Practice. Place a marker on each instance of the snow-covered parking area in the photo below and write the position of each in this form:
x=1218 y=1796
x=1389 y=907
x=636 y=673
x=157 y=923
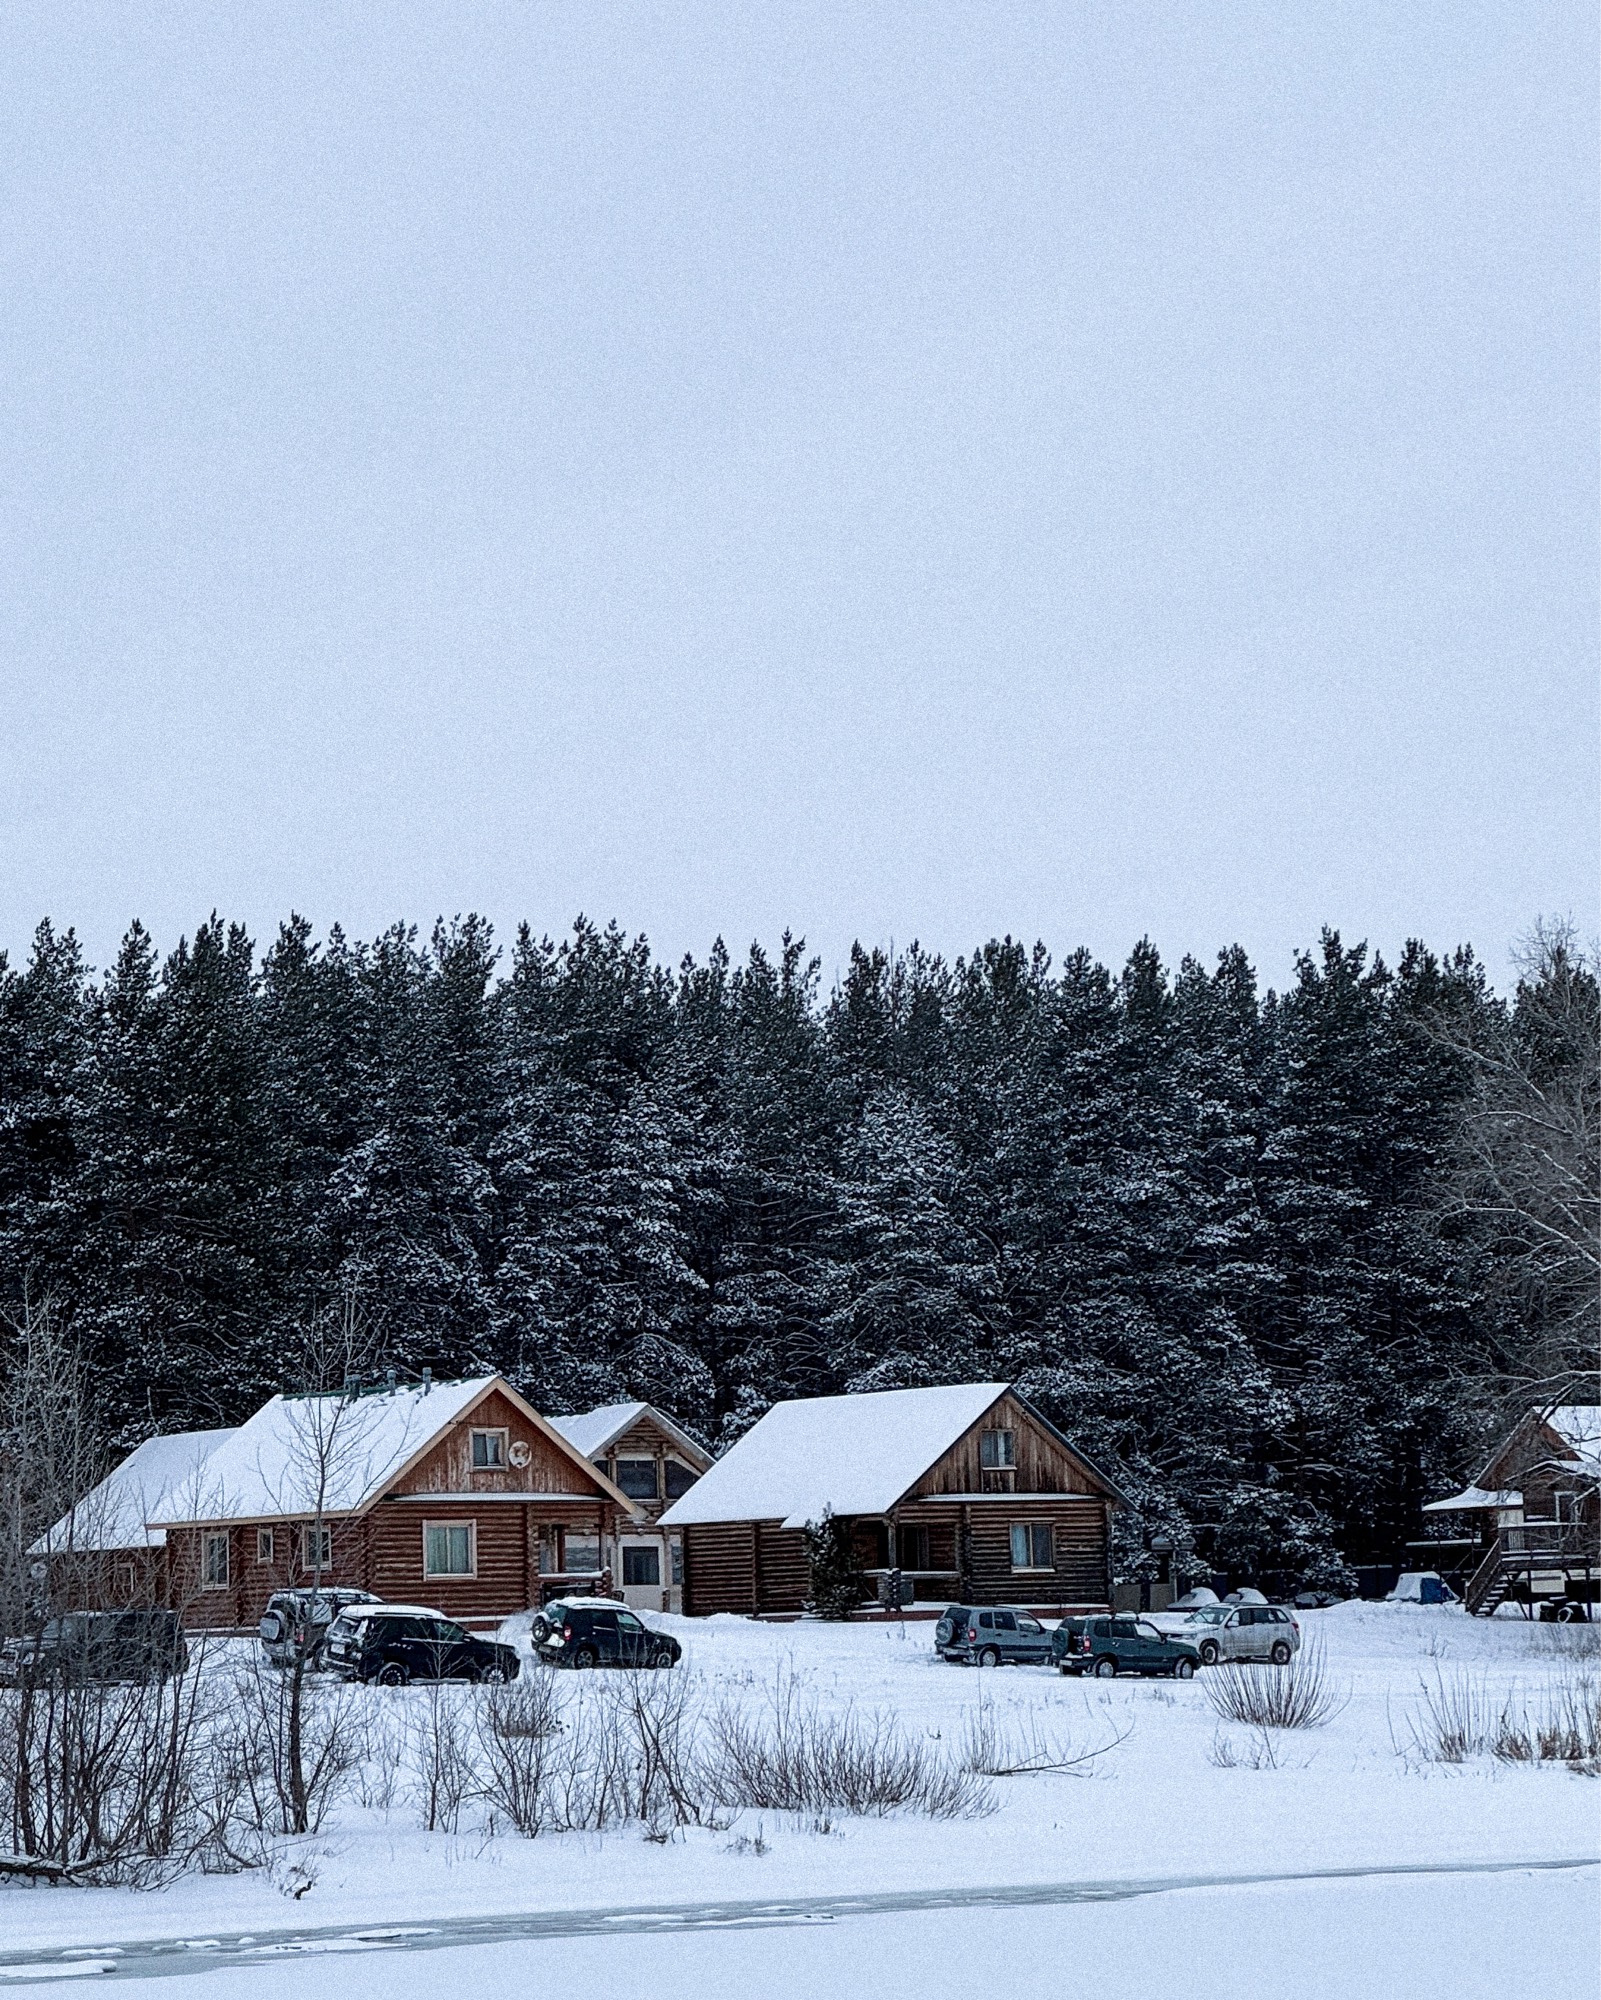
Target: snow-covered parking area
x=1165 y=1789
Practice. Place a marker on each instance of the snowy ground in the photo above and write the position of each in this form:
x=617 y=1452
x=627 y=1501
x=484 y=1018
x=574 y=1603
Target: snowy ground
x=1352 y=1794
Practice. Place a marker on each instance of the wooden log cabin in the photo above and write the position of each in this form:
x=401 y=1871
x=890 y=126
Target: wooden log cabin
x=458 y=1495
x=964 y=1493
x=1529 y=1524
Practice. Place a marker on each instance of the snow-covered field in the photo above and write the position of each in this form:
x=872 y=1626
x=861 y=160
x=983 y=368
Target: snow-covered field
x=1177 y=1793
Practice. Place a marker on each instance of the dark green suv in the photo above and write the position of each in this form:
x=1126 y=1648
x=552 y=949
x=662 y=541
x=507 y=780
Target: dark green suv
x=1120 y=1645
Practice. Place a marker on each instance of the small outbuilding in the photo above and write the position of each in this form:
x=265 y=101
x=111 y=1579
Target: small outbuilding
x=1532 y=1515
x=965 y=1493
x=653 y=1462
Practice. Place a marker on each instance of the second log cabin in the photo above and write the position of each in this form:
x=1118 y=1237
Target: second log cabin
x=965 y=1493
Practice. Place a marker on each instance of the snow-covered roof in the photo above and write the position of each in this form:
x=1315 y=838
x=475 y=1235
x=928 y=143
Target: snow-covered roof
x=113 y=1514
x=1473 y=1499
x=854 y=1454
x=593 y=1430
x=329 y=1454
x=1579 y=1427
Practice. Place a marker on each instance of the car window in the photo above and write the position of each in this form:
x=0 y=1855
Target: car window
x=625 y=1623
x=986 y=1621
x=448 y=1634
x=1029 y=1625
x=1005 y=1622
x=1147 y=1631
x=1101 y=1629
x=1122 y=1628
x=603 y=1621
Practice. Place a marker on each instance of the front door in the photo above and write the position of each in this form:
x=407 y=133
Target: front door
x=641 y=1565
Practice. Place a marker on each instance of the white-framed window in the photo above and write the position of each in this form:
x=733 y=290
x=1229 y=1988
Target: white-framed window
x=489 y=1451
x=127 y=1582
x=997 y=1450
x=316 y=1548
x=642 y=1564
x=450 y=1548
x=214 y=1562
x=266 y=1545
x=1033 y=1545
x=581 y=1552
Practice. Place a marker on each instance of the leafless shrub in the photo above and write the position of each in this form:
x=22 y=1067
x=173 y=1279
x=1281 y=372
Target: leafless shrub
x=1025 y=1747
x=289 y=1748
x=1300 y=1695
x=1461 y=1718
x=1259 y=1752
x=794 y=1756
x=109 y=1781
x=441 y=1755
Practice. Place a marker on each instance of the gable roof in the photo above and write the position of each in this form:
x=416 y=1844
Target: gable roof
x=353 y=1448
x=113 y=1514
x=1577 y=1428
x=594 y=1430
x=854 y=1454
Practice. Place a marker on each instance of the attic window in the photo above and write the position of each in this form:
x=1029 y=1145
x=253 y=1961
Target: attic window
x=997 y=1451
x=637 y=1478
x=680 y=1478
x=489 y=1451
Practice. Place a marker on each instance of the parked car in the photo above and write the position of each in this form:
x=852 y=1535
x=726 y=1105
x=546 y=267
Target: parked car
x=993 y=1635
x=396 y=1643
x=295 y=1622
x=599 y=1632
x=1120 y=1645
x=1243 y=1632
x=98 y=1646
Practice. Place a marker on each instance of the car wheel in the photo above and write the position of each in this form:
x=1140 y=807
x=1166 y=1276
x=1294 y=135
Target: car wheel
x=392 y=1675
x=1183 y=1670
x=1209 y=1652
x=584 y=1657
x=989 y=1657
x=1105 y=1667
x=1281 y=1653
x=662 y=1658
x=494 y=1675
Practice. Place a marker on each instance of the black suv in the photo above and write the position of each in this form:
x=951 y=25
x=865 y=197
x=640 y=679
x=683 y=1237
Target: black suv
x=599 y=1632
x=396 y=1643
x=98 y=1646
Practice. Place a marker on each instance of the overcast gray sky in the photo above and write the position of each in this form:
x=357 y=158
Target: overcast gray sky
x=891 y=471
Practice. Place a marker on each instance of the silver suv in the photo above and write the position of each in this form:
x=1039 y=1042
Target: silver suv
x=1242 y=1632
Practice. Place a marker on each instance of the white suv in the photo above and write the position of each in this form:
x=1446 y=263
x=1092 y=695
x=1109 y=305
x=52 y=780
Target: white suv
x=1242 y=1632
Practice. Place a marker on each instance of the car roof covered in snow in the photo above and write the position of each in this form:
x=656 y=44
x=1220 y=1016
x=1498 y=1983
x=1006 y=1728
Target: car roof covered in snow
x=853 y=1454
x=114 y=1514
x=334 y=1454
x=592 y=1430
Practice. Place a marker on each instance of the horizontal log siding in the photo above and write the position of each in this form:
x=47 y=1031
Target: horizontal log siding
x=720 y=1567
x=507 y=1545
x=783 y=1569
x=251 y=1583
x=1079 y=1576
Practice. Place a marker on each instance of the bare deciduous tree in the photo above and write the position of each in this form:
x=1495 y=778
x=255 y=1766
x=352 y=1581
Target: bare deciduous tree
x=1527 y=1183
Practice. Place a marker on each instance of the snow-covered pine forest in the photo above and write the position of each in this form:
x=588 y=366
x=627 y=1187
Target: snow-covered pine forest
x=1252 y=1250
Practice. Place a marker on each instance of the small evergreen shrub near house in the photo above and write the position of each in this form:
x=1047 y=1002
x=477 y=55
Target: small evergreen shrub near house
x=838 y=1584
